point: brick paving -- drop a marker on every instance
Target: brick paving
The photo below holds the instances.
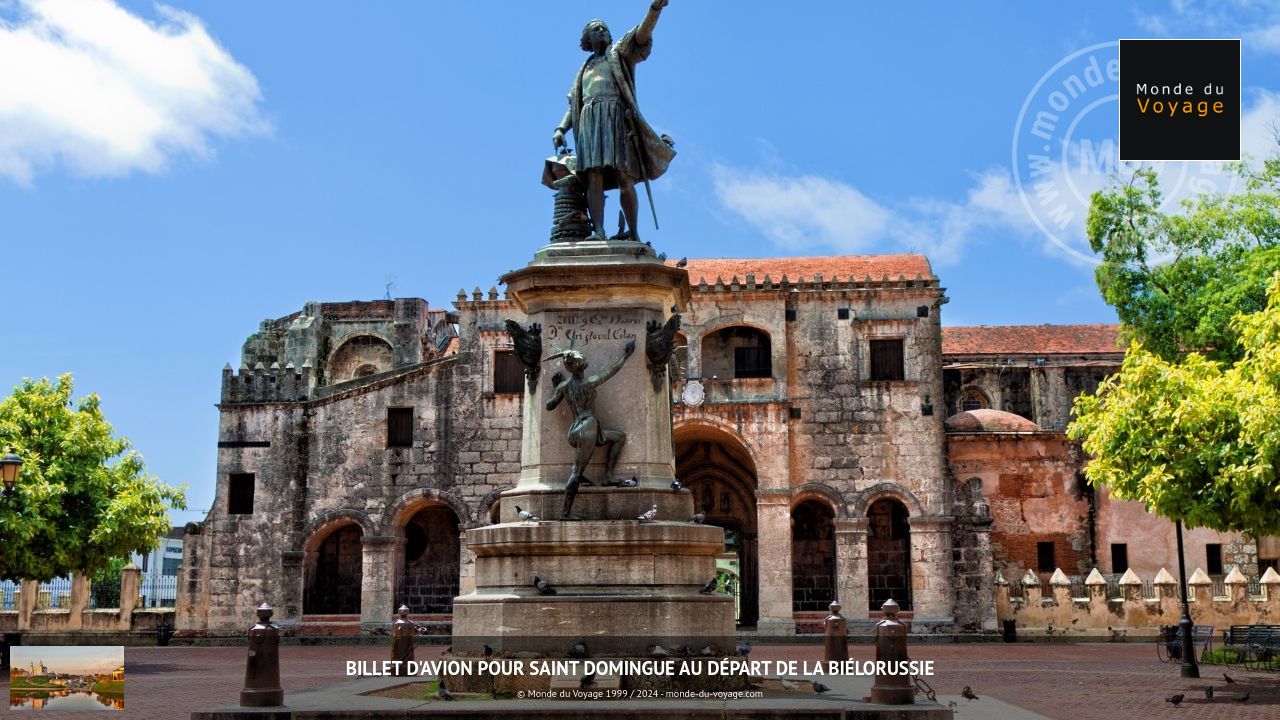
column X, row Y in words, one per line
column 1080, row 682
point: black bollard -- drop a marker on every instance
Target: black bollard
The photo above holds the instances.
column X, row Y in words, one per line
column 835, row 637
column 262, row 668
column 402, row 633
column 163, row 633
column 891, row 647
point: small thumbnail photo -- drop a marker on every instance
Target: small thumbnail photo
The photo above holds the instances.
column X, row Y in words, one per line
column 63, row 677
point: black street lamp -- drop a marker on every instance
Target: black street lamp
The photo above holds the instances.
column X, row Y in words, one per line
column 1189, row 667
column 10, row 465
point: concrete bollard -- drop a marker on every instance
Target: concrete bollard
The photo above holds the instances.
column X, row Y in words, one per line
column 891, row 647
column 262, row 669
column 835, row 637
column 402, row 632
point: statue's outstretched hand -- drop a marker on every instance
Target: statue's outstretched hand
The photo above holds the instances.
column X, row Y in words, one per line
column 630, row 347
column 658, row 4
column 557, row 140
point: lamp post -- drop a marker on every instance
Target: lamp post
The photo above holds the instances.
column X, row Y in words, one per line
column 10, row 465
column 1189, row 667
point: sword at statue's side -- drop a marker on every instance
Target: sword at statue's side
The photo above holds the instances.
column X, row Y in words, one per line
column 644, row 171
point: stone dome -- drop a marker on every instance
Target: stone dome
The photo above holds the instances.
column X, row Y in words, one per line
column 975, row 421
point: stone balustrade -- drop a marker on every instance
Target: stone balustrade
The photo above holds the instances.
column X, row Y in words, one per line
column 1131, row 614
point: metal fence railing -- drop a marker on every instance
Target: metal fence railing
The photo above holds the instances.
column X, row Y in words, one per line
column 159, row 591
column 54, row 594
column 8, row 595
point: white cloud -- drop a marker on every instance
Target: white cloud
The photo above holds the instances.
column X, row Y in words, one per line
column 802, row 212
column 86, row 84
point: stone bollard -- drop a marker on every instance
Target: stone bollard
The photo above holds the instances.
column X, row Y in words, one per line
column 262, row 669
column 835, row 638
column 891, row 647
column 402, row 631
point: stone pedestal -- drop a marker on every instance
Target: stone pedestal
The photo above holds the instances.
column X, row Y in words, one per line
column 621, row 585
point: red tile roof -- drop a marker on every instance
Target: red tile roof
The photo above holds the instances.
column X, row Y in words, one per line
column 795, row 268
column 984, row 420
column 1031, row 340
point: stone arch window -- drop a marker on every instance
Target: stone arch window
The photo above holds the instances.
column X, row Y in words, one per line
column 737, row 352
column 813, row 556
column 888, row 554
column 334, row 572
column 974, row 399
column 428, row 578
column 360, row 356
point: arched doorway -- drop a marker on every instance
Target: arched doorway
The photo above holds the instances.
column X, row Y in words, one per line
column 813, row 556
column 888, row 554
column 334, row 572
column 719, row 472
column 429, row 560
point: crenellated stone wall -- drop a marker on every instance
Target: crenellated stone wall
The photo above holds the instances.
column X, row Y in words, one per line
column 1129, row 613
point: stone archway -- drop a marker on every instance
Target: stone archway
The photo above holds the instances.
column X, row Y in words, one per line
column 334, row 570
column 718, row 469
column 428, row 558
column 813, row 556
column 888, row 554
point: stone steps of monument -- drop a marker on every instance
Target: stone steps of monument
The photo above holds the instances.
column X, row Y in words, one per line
column 329, row 625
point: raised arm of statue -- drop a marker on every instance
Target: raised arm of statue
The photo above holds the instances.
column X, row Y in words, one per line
column 556, row 397
column 616, row 366
column 645, row 31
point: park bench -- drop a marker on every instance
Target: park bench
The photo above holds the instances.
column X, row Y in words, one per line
column 1169, row 643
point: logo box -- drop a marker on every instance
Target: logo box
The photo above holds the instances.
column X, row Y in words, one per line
column 1179, row 100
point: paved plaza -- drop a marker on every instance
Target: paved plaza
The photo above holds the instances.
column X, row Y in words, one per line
column 1079, row 682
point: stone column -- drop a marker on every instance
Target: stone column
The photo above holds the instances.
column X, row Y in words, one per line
column 377, row 585
column 986, row 571
column 79, row 601
column 1049, row 399
column 773, row 527
column 28, row 596
column 130, row 585
column 466, row 566
column 851, row 567
column 291, row 588
column 932, row 595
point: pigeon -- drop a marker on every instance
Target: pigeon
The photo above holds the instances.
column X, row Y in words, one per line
column 744, row 648
column 787, row 684
column 706, row 651
column 1176, row 699
column 488, row 651
column 629, row 482
column 666, row 140
column 526, row 515
column 682, row 262
column 1208, row 692
column 658, row 651
column 587, row 680
column 699, row 518
column 675, row 309
column 443, row 692
column 578, row 650
column 640, row 251
column 1241, row 698
column 709, row 588
column 952, row 703
column 1228, row 679
column 649, row 515
column 967, row 694
column 820, row 688
column 544, row 588
column 686, row 651
column 675, row 485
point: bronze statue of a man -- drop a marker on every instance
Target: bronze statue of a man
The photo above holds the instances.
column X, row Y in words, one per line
column 586, row 433
column 616, row 147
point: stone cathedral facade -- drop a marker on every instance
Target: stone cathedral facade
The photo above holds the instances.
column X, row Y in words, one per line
column 850, row 447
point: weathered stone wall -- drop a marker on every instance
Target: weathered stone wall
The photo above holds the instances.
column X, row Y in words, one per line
column 1031, row 483
column 1092, row 610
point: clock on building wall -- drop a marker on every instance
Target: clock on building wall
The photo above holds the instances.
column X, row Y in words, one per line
column 693, row 394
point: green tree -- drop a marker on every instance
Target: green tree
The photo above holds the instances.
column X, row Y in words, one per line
column 1195, row 439
column 83, row 498
column 1177, row 279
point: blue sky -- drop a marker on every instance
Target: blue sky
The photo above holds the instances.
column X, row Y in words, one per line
column 172, row 175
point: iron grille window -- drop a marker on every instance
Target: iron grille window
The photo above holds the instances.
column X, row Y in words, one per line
column 1045, row 561
column 170, row 566
column 886, row 360
column 1119, row 557
column 240, row 494
column 1213, row 558
column 752, row 362
column 399, row 427
column 508, row 376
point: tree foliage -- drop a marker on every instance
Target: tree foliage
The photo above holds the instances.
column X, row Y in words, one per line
column 1195, row 439
column 83, row 498
column 1177, row 279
